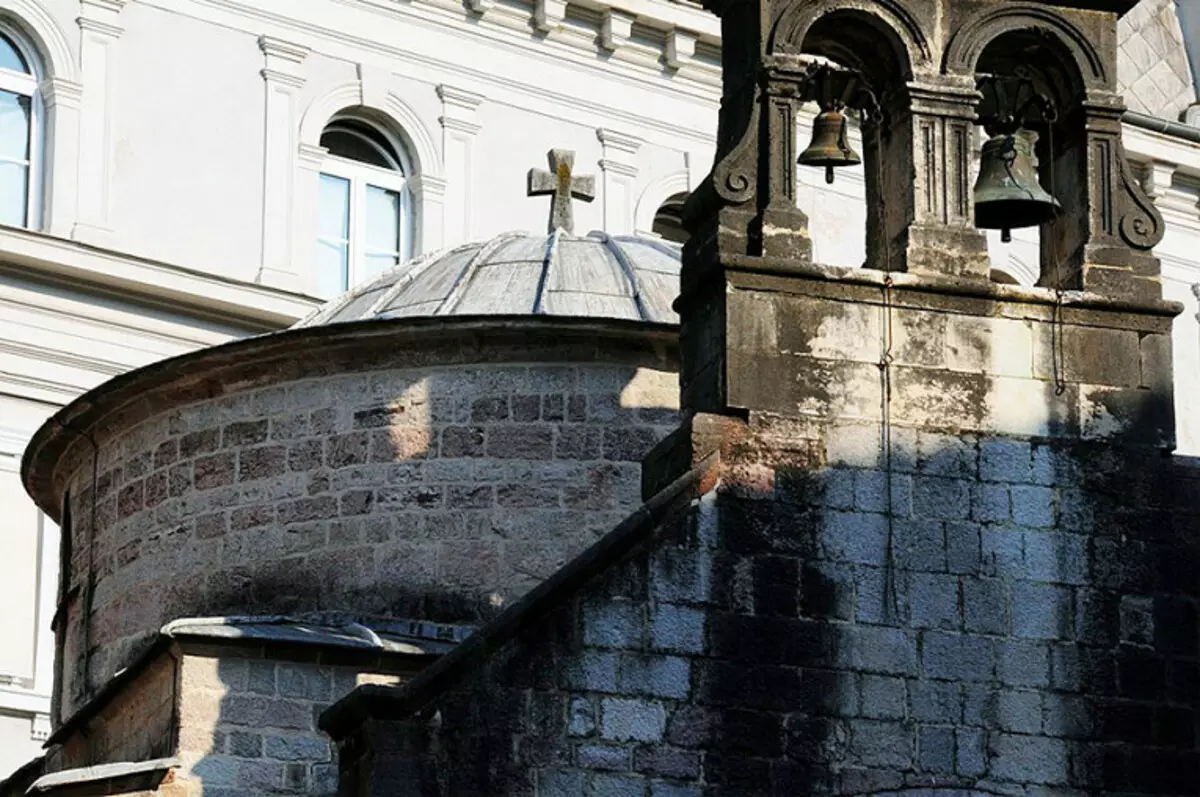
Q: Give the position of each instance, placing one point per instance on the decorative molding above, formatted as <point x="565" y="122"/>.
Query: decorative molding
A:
<point x="618" y="167"/>
<point x="452" y="97"/>
<point x="616" y="142"/>
<point x="615" y="29"/>
<point x="310" y="156"/>
<point x="508" y="28"/>
<point x="106" y="29"/>
<point x="39" y="730"/>
<point x="549" y="14"/>
<point x="61" y="93"/>
<point x="282" y="50"/>
<point x="427" y="185"/>
<point x="140" y="280"/>
<point x="375" y="83"/>
<point x="408" y="124"/>
<point x="56" y="49"/>
<point x="680" y="48"/>
<point x="109" y="6"/>
<point x="655" y="194"/>
<point x="460" y="125"/>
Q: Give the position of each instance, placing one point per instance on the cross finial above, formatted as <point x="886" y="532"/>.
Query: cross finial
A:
<point x="562" y="185"/>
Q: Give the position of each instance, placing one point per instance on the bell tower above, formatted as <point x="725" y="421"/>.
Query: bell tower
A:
<point x="928" y="80"/>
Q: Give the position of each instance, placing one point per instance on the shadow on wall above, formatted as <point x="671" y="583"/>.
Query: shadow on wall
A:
<point x="443" y="498"/>
<point x="981" y="615"/>
<point x="1025" y="615"/>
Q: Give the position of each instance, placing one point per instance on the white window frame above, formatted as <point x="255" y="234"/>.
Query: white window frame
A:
<point x="360" y="175"/>
<point x="28" y="85"/>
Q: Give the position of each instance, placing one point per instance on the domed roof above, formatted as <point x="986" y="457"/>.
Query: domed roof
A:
<point x="519" y="273"/>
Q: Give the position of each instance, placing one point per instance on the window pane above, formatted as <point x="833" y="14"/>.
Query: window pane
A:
<point x="333" y="268"/>
<point x="335" y="207"/>
<point x="383" y="220"/>
<point x="10" y="58"/>
<point x="14" y="193"/>
<point x="14" y="126"/>
<point x="352" y="147"/>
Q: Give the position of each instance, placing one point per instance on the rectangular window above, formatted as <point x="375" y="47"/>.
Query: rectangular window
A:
<point x="333" y="236"/>
<point x="14" y="159"/>
<point x="383" y="234"/>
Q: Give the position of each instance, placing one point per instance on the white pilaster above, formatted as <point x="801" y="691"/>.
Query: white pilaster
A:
<point x="460" y="125"/>
<point x="61" y="99"/>
<point x="282" y="79"/>
<point x="99" y="31"/>
<point x="619" y="171"/>
<point x="429" y="198"/>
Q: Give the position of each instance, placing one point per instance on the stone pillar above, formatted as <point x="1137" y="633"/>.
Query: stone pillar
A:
<point x="933" y="230"/>
<point x="99" y="32"/>
<point x="618" y="175"/>
<point x="459" y="128"/>
<point x="282" y="79"/>
<point x="62" y="100"/>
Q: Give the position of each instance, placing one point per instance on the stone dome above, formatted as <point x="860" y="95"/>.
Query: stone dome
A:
<point x="519" y="273"/>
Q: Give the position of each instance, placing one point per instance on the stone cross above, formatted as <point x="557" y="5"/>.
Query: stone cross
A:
<point x="562" y="185"/>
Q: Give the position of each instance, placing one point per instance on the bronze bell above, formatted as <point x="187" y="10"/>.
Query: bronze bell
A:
<point x="830" y="145"/>
<point x="1007" y="193"/>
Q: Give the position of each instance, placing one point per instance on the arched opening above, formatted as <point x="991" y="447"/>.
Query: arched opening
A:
<point x="859" y="219"/>
<point x="1030" y="63"/>
<point x="21" y="125"/>
<point x="366" y="220"/>
<point x="668" y="219"/>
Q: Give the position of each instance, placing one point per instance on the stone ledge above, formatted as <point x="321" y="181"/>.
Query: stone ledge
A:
<point x="947" y="293"/>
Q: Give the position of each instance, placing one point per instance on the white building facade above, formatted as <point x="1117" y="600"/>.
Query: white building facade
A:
<point x="178" y="173"/>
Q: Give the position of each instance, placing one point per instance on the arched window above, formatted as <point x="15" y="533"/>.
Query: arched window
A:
<point x="20" y="134"/>
<point x="365" y="218"/>
<point x="668" y="219"/>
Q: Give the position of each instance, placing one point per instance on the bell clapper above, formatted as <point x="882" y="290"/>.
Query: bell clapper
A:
<point x="829" y="174"/>
<point x="1006" y="236"/>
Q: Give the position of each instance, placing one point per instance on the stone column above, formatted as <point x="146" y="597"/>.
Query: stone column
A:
<point x="618" y="169"/>
<point x="932" y="230"/>
<point x="99" y="32"/>
<point x="61" y="99"/>
<point x="459" y="128"/>
<point x="282" y="78"/>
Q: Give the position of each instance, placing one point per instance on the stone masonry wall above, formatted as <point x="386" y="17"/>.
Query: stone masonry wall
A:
<point x="1012" y="616"/>
<point x="248" y="726"/>
<point x="437" y="484"/>
<point x="139" y="724"/>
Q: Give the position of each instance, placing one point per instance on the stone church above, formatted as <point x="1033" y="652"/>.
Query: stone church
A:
<point x="590" y="514"/>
